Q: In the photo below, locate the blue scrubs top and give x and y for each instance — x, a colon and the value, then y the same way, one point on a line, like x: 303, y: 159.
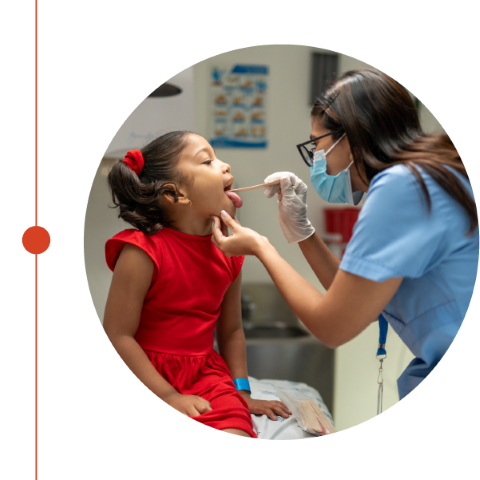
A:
x: 396, y: 236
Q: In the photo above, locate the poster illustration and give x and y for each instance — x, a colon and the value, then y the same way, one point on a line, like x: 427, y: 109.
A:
x: 238, y: 99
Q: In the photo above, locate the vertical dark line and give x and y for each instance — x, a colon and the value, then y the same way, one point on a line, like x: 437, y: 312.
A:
x: 36, y: 365
x: 36, y: 112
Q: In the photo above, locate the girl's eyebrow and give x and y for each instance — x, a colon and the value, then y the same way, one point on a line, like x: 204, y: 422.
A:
x: 201, y: 150
x: 204, y: 149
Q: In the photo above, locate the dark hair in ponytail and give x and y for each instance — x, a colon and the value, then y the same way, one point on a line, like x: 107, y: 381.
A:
x: 383, y: 129
x: 138, y: 197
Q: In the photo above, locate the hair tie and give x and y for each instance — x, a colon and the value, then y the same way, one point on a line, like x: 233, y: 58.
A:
x: 134, y: 160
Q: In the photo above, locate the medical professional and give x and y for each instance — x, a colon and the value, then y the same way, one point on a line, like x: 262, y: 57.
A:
x: 414, y: 251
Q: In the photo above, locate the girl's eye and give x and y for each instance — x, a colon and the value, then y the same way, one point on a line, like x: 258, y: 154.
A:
x: 208, y: 162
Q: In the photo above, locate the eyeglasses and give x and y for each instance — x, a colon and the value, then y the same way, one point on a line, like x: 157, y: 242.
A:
x: 308, y: 153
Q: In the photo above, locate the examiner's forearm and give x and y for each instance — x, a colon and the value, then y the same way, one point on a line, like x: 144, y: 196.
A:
x: 320, y: 258
x: 302, y: 297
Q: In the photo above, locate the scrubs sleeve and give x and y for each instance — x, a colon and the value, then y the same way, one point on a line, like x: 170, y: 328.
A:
x: 395, y: 235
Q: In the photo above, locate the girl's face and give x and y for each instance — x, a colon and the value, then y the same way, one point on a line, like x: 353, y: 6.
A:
x: 207, y: 179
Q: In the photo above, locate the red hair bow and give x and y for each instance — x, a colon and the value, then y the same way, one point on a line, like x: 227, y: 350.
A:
x: 134, y: 160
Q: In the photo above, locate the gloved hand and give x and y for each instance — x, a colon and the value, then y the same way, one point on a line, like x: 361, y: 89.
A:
x: 292, y: 205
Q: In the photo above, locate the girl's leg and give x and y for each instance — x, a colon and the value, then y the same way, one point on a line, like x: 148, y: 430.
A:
x: 236, y: 431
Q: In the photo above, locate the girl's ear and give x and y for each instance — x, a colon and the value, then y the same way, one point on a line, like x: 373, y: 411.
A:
x: 169, y: 197
x: 168, y: 194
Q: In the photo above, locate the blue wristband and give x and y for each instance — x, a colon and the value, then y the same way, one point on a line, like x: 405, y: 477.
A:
x: 242, y: 384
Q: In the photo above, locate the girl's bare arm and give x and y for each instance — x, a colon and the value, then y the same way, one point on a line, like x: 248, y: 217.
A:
x: 130, y: 283
x: 229, y: 331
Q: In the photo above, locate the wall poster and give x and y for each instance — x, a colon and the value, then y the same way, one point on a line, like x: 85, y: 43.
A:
x: 238, y: 102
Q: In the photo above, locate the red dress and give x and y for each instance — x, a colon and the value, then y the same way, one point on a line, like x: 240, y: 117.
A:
x: 178, y: 318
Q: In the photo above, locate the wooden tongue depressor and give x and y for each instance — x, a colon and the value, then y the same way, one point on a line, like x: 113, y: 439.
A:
x: 246, y: 189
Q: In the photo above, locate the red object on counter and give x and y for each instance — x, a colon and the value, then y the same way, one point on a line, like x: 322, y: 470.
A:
x: 341, y: 220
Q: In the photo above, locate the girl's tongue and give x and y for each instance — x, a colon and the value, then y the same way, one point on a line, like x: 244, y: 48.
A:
x: 236, y: 200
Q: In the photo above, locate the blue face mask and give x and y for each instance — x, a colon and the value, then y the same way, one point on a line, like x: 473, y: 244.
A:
x: 333, y: 189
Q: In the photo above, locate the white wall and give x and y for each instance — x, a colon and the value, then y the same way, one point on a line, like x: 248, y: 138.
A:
x: 356, y: 369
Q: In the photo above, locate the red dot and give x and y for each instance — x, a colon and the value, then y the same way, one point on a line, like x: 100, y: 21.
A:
x: 36, y: 240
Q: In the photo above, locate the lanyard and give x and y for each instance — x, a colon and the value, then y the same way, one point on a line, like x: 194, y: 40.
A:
x: 381, y: 356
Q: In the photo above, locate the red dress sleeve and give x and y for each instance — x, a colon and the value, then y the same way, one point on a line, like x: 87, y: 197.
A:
x: 237, y: 263
x: 114, y: 246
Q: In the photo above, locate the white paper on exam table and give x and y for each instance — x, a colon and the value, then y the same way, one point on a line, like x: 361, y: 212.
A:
x: 282, y: 429
x: 307, y: 412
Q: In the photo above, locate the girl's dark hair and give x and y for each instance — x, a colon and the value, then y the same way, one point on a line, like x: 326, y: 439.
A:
x: 382, y: 126
x: 138, y: 197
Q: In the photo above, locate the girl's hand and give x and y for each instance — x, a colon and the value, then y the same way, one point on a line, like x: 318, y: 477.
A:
x: 243, y: 241
x: 271, y: 408
x: 189, y: 405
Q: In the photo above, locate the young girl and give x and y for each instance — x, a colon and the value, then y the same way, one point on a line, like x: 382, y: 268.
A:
x: 171, y: 287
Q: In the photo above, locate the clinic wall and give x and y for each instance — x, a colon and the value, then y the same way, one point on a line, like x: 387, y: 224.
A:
x: 356, y: 368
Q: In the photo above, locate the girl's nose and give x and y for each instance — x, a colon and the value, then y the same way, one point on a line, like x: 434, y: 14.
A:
x: 225, y: 167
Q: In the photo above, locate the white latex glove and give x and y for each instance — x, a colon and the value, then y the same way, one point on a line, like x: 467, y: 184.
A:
x: 292, y: 205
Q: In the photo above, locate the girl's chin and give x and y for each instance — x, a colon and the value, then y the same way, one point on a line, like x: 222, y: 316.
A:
x: 229, y: 208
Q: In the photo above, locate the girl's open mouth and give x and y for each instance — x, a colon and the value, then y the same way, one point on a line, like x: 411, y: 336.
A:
x: 236, y: 200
